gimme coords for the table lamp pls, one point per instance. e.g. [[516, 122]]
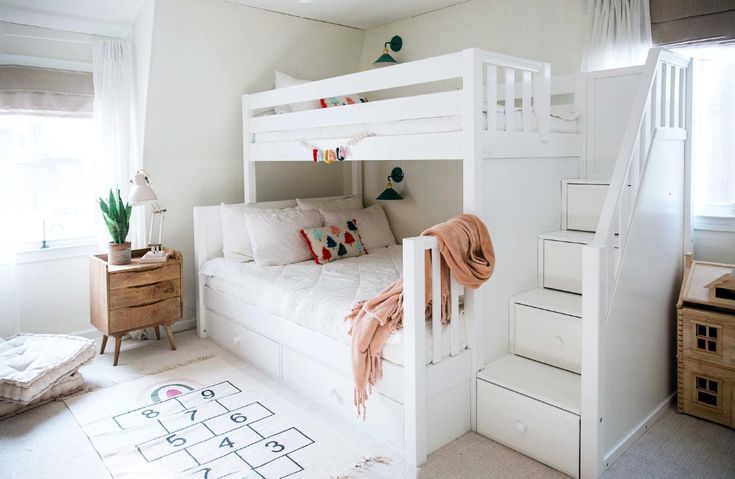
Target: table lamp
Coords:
[[141, 193]]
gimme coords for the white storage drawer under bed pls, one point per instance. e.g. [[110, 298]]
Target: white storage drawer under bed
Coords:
[[543, 432], [334, 391], [250, 346], [547, 336]]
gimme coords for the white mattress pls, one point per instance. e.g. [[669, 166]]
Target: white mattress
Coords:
[[443, 124], [32, 363], [318, 297]]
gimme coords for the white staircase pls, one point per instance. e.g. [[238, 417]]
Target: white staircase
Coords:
[[529, 399]]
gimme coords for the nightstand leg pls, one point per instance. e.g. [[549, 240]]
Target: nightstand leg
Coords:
[[118, 340], [157, 329], [170, 337], [104, 344]]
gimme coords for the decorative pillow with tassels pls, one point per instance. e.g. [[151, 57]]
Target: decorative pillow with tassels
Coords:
[[334, 242]]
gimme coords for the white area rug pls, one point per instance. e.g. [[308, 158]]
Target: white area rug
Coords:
[[208, 420]]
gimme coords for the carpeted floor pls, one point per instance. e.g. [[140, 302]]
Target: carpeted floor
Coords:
[[47, 442]]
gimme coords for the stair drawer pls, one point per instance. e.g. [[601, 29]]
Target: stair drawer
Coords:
[[584, 204], [548, 337], [545, 433], [562, 266]]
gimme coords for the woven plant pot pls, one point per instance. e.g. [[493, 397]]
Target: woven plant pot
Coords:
[[120, 253]]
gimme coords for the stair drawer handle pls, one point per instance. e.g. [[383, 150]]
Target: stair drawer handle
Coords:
[[521, 426], [236, 339], [559, 340]]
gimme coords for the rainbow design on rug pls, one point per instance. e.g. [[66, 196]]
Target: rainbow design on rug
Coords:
[[168, 391]]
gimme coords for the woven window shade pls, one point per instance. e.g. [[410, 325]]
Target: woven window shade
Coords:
[[692, 21], [31, 90]]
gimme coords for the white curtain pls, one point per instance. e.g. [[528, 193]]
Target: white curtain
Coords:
[[9, 316], [114, 113], [618, 34]]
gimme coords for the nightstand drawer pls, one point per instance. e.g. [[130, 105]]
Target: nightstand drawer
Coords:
[[144, 294], [136, 317], [144, 276]]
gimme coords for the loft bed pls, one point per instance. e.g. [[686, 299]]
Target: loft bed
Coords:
[[415, 404]]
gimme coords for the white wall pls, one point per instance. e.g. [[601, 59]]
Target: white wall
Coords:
[[205, 55], [142, 39], [545, 30]]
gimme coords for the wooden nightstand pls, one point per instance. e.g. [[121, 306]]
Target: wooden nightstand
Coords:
[[135, 296]]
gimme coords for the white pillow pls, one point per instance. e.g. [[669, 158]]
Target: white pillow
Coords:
[[345, 203], [372, 225], [236, 244], [283, 81], [276, 235]]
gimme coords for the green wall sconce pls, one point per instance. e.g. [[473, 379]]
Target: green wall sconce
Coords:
[[395, 43], [396, 175]]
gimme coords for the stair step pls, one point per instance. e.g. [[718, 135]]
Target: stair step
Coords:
[[546, 326], [538, 381], [550, 300], [560, 259]]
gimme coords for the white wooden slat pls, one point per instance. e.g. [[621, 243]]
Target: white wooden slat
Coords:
[[437, 146], [665, 95], [542, 100], [674, 122], [414, 353], [527, 107], [502, 60], [655, 103], [645, 131], [510, 83], [436, 305], [682, 97], [419, 106], [438, 68], [454, 325], [491, 94]]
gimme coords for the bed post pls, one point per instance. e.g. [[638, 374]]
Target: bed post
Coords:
[[248, 167], [414, 353], [472, 176], [542, 100], [357, 178]]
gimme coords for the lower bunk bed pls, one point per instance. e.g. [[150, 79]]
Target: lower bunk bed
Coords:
[[289, 321]]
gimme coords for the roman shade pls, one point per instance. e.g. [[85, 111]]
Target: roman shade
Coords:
[[692, 21], [32, 90]]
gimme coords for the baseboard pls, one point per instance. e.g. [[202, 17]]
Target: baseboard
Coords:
[[180, 325], [638, 431]]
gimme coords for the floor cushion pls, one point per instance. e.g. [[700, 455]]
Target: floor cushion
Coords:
[[65, 385], [31, 363]]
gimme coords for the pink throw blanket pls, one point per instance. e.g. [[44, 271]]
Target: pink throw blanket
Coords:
[[466, 250]]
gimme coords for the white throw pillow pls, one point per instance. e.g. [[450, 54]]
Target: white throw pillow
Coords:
[[371, 222], [334, 204], [235, 238], [283, 81], [276, 235]]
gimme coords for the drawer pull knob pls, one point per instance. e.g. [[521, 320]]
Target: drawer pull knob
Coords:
[[333, 392], [236, 339], [521, 426], [559, 340]]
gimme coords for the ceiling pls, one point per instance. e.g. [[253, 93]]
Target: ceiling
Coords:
[[360, 14], [111, 16]]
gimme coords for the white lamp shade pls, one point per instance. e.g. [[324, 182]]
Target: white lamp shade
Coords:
[[141, 192]]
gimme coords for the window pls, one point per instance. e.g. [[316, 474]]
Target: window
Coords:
[[713, 141], [47, 140], [51, 163]]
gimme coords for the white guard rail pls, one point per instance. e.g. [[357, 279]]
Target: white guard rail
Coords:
[[414, 337]]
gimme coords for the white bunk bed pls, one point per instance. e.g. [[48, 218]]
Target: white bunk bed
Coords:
[[429, 399]]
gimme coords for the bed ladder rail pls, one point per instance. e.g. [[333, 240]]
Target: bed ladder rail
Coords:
[[414, 338]]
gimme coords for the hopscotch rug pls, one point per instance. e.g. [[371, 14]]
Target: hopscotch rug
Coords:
[[208, 421]]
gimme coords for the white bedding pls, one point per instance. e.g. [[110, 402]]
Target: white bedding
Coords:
[[443, 124], [318, 297]]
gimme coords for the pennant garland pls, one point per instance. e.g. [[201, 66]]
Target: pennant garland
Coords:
[[340, 153]]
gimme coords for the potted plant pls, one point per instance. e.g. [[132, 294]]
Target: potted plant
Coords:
[[117, 219]]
